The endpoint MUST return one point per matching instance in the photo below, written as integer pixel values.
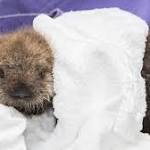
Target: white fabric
(100, 93)
(100, 99)
(12, 126)
(18, 132)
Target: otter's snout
(21, 90)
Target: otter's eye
(2, 73)
(42, 74)
(41, 71)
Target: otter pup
(26, 78)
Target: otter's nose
(21, 91)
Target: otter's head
(26, 79)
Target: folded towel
(12, 127)
(100, 95)
(18, 132)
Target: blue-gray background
(56, 7)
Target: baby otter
(26, 78)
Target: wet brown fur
(26, 57)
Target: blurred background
(17, 13)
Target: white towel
(12, 127)
(100, 100)
(18, 132)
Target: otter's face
(26, 80)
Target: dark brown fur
(146, 75)
(26, 58)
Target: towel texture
(18, 132)
(12, 127)
(100, 94)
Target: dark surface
(146, 120)
(146, 75)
